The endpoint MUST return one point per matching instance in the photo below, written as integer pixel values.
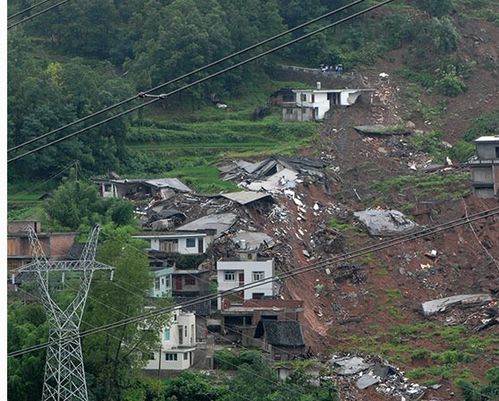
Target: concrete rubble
(440, 305)
(380, 222)
(274, 174)
(367, 372)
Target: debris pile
(367, 372)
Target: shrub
(450, 83)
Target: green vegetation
(449, 186)
(458, 347)
(336, 225)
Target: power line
(214, 63)
(27, 9)
(348, 256)
(37, 14)
(199, 81)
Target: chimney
(318, 85)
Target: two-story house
(485, 167)
(178, 344)
(237, 272)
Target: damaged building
(315, 104)
(139, 188)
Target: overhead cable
(179, 78)
(37, 14)
(199, 81)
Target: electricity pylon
(64, 372)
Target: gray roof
(173, 183)
(218, 222)
(280, 332)
(245, 197)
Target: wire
(27, 9)
(214, 63)
(199, 81)
(341, 258)
(37, 14)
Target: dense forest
(87, 55)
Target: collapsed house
(274, 174)
(139, 188)
(283, 339)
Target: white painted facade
(235, 273)
(178, 343)
(315, 103)
(185, 244)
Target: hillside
(434, 70)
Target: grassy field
(190, 143)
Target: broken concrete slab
(253, 240)
(247, 197)
(380, 222)
(381, 130)
(366, 381)
(439, 305)
(349, 365)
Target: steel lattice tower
(64, 372)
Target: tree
(113, 358)
(77, 203)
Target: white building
(183, 243)
(313, 104)
(232, 273)
(178, 343)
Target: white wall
(164, 279)
(248, 267)
(170, 343)
(320, 102)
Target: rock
(410, 125)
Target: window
(185, 331)
(170, 246)
(258, 295)
(190, 243)
(162, 281)
(303, 97)
(167, 282)
(497, 152)
(156, 284)
(189, 280)
(166, 334)
(151, 356)
(170, 357)
(230, 276)
(186, 356)
(192, 333)
(313, 98)
(258, 276)
(107, 187)
(289, 111)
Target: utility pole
(64, 372)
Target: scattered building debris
(440, 305)
(382, 223)
(160, 188)
(375, 371)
